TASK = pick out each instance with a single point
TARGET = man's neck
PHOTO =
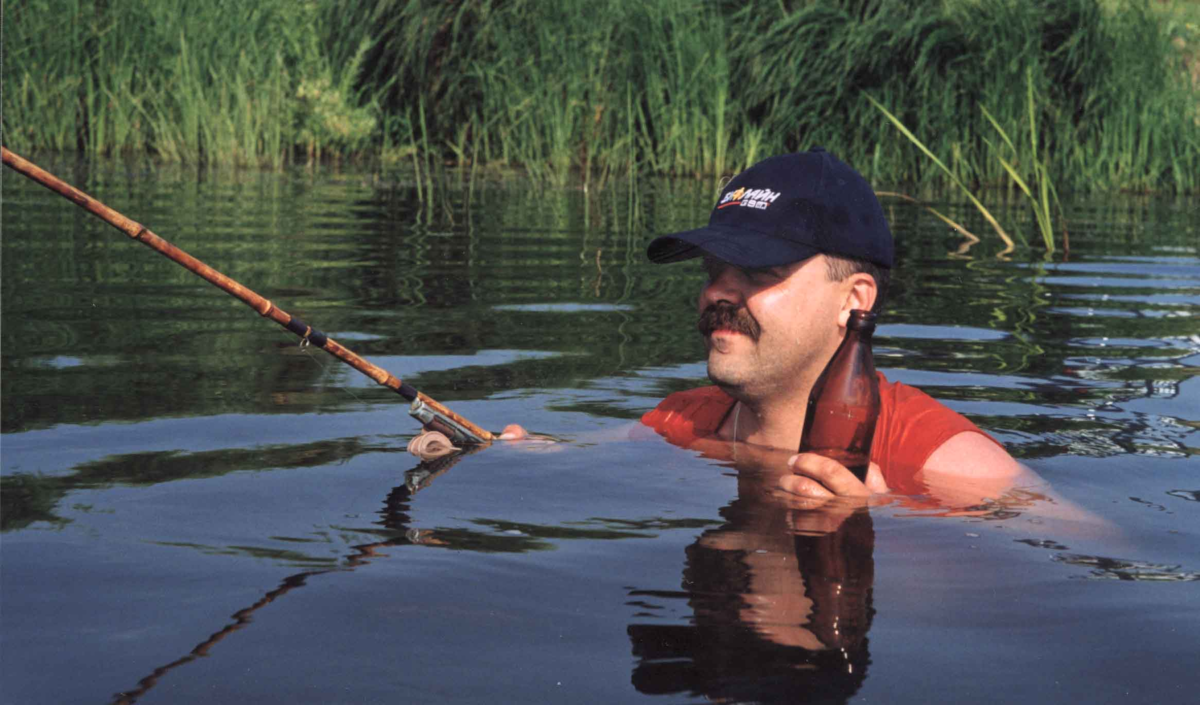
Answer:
(775, 422)
(773, 417)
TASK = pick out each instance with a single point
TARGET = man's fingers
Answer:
(804, 487)
(875, 481)
(832, 475)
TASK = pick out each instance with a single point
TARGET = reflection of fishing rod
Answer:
(395, 519)
(241, 619)
(432, 414)
(421, 476)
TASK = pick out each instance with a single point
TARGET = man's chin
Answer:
(729, 382)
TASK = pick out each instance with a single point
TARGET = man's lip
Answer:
(725, 331)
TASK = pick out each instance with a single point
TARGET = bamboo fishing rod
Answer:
(429, 412)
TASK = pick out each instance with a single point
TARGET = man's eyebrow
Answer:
(708, 261)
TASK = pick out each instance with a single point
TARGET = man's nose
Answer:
(725, 285)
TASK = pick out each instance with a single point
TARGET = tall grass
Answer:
(688, 87)
(1025, 166)
(1037, 176)
(592, 89)
(218, 82)
(1111, 91)
(597, 87)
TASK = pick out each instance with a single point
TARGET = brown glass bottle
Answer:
(844, 403)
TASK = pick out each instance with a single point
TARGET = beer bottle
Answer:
(844, 403)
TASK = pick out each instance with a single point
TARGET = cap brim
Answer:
(739, 247)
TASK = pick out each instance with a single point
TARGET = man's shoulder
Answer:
(692, 412)
(912, 426)
(710, 393)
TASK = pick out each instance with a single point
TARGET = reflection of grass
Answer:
(31, 498)
(28, 499)
(1023, 322)
(460, 539)
(540, 531)
(1103, 568)
(655, 524)
(293, 558)
(521, 537)
(165, 466)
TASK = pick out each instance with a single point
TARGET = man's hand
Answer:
(530, 441)
(428, 445)
(819, 478)
(513, 432)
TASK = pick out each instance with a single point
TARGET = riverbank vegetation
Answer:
(596, 89)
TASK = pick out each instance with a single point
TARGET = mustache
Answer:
(728, 317)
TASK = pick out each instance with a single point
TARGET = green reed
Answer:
(1026, 167)
(987, 215)
(589, 90)
(582, 92)
(221, 82)
(1037, 178)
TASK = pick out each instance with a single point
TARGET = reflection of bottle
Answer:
(844, 403)
(779, 606)
(839, 578)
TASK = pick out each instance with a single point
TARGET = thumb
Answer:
(513, 432)
(875, 482)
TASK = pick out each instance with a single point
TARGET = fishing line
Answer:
(304, 347)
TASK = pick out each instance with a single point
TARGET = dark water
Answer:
(195, 509)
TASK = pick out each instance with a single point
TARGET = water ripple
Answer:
(1119, 569)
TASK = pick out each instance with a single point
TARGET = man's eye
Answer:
(760, 275)
(763, 274)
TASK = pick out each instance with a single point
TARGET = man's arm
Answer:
(427, 446)
(968, 461)
(974, 455)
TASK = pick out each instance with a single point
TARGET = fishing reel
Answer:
(434, 420)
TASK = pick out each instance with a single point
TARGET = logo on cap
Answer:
(757, 198)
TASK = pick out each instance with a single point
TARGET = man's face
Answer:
(768, 331)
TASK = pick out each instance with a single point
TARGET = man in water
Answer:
(794, 244)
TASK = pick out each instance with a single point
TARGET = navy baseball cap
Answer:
(786, 209)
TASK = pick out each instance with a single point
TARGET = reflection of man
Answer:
(793, 245)
(780, 604)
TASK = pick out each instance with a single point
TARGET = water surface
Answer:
(196, 509)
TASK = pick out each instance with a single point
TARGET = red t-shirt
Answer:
(911, 426)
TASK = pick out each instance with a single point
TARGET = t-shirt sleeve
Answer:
(911, 426)
(684, 416)
(658, 417)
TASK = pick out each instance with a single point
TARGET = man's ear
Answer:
(860, 292)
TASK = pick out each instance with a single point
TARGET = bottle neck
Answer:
(861, 324)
